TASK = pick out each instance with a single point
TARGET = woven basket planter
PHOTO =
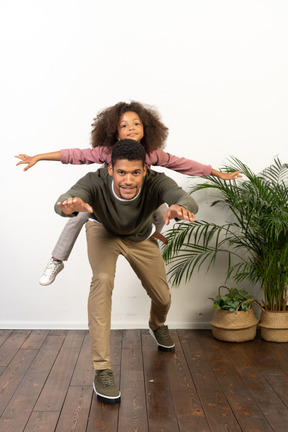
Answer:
(239, 326)
(274, 326)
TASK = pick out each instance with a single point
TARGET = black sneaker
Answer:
(105, 387)
(163, 339)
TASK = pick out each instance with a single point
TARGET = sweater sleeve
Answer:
(182, 165)
(87, 156)
(171, 193)
(181, 198)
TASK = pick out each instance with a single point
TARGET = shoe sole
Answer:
(108, 400)
(162, 347)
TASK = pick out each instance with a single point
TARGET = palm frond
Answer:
(255, 241)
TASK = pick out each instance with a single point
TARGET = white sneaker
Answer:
(52, 269)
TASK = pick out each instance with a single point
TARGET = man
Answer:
(121, 201)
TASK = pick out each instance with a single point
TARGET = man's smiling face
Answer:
(128, 177)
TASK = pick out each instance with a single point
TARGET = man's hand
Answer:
(72, 205)
(176, 211)
(25, 159)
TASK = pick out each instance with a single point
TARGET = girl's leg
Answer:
(158, 217)
(68, 236)
(63, 248)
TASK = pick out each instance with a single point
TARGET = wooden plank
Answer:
(160, 406)
(279, 352)
(262, 355)
(4, 334)
(264, 395)
(12, 376)
(216, 407)
(280, 385)
(58, 333)
(187, 404)
(84, 373)
(218, 412)
(47, 354)
(42, 422)
(10, 347)
(219, 361)
(35, 339)
(200, 368)
(54, 391)
(74, 339)
(75, 412)
(116, 338)
(133, 412)
(245, 409)
(18, 410)
(21, 404)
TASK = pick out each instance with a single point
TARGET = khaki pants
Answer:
(145, 259)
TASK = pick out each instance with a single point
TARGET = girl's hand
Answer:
(25, 159)
(226, 175)
(230, 175)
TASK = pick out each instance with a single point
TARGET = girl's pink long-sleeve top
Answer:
(158, 157)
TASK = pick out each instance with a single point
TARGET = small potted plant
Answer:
(255, 240)
(234, 319)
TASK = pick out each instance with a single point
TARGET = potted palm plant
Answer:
(255, 240)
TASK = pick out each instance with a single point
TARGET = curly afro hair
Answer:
(105, 126)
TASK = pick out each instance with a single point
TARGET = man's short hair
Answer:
(128, 149)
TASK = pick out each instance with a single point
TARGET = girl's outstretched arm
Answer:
(73, 156)
(32, 160)
(187, 166)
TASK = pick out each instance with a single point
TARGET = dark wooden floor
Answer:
(206, 385)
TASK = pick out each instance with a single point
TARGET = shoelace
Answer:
(50, 268)
(163, 332)
(107, 378)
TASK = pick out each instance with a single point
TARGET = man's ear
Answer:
(110, 169)
(145, 169)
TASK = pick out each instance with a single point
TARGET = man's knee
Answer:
(166, 302)
(162, 299)
(103, 281)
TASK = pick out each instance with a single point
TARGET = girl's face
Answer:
(130, 126)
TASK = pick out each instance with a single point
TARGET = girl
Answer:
(132, 120)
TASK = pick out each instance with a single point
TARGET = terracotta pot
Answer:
(274, 326)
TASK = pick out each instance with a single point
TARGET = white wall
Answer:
(216, 70)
